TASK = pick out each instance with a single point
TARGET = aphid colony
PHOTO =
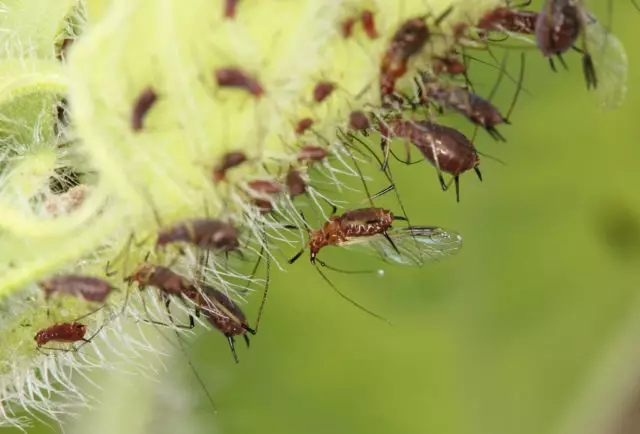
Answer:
(409, 115)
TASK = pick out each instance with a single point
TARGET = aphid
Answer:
(557, 29)
(144, 102)
(503, 19)
(228, 161)
(406, 42)
(447, 149)
(225, 315)
(372, 226)
(478, 110)
(303, 125)
(235, 77)
(68, 332)
(322, 90)
(230, 7)
(168, 283)
(265, 186)
(64, 47)
(88, 287)
(359, 121)
(347, 27)
(369, 24)
(203, 233)
(296, 185)
(311, 153)
(475, 108)
(448, 65)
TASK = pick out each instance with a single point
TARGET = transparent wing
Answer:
(416, 245)
(610, 62)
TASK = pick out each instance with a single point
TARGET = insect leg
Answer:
(562, 62)
(353, 302)
(232, 345)
(588, 68)
(296, 256)
(478, 172)
(457, 181)
(246, 340)
(388, 238)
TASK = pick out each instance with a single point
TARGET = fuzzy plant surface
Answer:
(89, 173)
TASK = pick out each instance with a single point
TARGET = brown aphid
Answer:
(264, 186)
(162, 278)
(356, 223)
(296, 185)
(168, 283)
(144, 102)
(347, 27)
(359, 121)
(311, 153)
(230, 7)
(557, 29)
(64, 47)
(235, 77)
(265, 206)
(511, 20)
(226, 316)
(448, 150)
(303, 125)
(448, 65)
(228, 161)
(475, 108)
(368, 23)
(67, 332)
(406, 42)
(88, 287)
(204, 233)
(322, 90)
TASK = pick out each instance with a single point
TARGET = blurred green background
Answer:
(528, 330)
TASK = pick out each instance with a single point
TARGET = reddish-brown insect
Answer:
(303, 125)
(203, 233)
(448, 65)
(296, 185)
(311, 153)
(64, 47)
(511, 20)
(168, 283)
(228, 161)
(359, 121)
(164, 279)
(235, 77)
(406, 42)
(478, 110)
(371, 227)
(230, 7)
(225, 315)
(475, 108)
(448, 150)
(369, 25)
(347, 27)
(67, 332)
(322, 90)
(144, 102)
(264, 186)
(88, 287)
(557, 29)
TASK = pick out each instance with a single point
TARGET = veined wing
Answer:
(610, 62)
(416, 245)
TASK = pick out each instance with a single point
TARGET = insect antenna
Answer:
(518, 89)
(350, 300)
(193, 369)
(264, 295)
